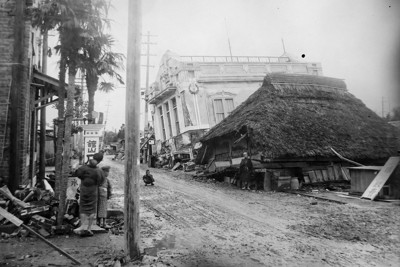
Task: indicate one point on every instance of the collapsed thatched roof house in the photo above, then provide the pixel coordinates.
(297, 119)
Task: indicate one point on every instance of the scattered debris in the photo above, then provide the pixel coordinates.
(14, 220)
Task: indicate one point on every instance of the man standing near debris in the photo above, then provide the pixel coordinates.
(245, 171)
(148, 178)
(91, 177)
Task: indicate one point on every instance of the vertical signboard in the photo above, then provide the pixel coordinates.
(73, 185)
(92, 134)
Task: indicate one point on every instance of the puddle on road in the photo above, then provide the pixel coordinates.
(220, 237)
(167, 242)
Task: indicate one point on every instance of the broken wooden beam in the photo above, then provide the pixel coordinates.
(345, 159)
(17, 222)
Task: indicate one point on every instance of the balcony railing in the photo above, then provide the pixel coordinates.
(225, 59)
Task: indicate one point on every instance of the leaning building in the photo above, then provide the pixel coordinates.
(191, 94)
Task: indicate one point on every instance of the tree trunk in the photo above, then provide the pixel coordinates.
(60, 125)
(91, 83)
(67, 143)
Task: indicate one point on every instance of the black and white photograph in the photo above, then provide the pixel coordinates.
(200, 133)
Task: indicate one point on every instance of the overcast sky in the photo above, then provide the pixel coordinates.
(355, 40)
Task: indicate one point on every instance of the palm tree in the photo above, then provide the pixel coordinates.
(100, 60)
(75, 21)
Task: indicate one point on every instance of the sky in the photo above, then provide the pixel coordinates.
(357, 40)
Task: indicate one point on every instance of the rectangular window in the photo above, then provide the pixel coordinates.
(162, 122)
(229, 106)
(168, 119)
(174, 107)
(219, 110)
(222, 108)
(190, 74)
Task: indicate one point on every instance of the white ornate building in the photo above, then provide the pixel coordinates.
(191, 94)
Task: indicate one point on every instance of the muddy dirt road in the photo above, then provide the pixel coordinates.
(194, 223)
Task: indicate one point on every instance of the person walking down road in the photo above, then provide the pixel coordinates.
(148, 178)
(91, 177)
(104, 195)
(245, 171)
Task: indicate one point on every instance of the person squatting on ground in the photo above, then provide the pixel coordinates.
(245, 171)
(104, 195)
(148, 178)
(91, 177)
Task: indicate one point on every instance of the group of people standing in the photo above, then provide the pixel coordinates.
(95, 190)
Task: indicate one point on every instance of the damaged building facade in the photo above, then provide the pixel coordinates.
(191, 94)
(25, 92)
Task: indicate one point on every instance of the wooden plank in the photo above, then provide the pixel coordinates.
(316, 197)
(336, 171)
(14, 220)
(346, 173)
(318, 173)
(306, 179)
(331, 174)
(325, 175)
(204, 154)
(312, 176)
(381, 178)
(268, 181)
(176, 166)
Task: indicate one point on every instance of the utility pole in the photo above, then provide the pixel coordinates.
(105, 122)
(283, 45)
(229, 42)
(108, 107)
(146, 105)
(42, 144)
(382, 107)
(132, 140)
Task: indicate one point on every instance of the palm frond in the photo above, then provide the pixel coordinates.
(106, 87)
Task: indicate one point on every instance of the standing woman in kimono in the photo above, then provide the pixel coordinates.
(91, 177)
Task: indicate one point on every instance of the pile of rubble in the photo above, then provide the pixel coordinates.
(36, 208)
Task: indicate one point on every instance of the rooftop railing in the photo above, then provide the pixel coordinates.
(227, 59)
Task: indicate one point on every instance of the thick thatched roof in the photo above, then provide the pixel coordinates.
(304, 116)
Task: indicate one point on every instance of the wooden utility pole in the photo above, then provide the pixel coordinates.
(42, 145)
(146, 94)
(132, 139)
(229, 41)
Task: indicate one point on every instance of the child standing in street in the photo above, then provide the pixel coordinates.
(104, 195)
